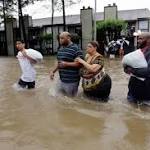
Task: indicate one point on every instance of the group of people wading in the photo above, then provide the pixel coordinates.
(72, 65)
(96, 83)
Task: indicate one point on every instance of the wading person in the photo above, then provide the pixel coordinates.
(95, 82)
(139, 90)
(67, 67)
(27, 79)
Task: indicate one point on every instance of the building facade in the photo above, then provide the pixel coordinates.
(137, 19)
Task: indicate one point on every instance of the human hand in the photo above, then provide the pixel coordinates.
(24, 53)
(62, 64)
(78, 59)
(32, 61)
(128, 69)
(51, 74)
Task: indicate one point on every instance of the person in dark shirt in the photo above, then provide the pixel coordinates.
(67, 67)
(139, 90)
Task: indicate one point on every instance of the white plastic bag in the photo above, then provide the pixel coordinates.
(135, 59)
(34, 54)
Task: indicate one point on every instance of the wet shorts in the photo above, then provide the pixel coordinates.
(28, 85)
(70, 89)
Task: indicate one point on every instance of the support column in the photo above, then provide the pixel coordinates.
(10, 22)
(55, 39)
(111, 12)
(87, 26)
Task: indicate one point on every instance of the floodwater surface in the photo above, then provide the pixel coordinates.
(41, 119)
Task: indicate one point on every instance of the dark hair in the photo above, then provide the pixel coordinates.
(95, 44)
(21, 41)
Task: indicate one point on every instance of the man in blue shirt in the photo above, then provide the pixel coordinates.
(67, 67)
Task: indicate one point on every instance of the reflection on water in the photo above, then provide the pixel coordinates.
(41, 119)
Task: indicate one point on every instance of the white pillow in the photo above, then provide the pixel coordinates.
(135, 59)
(34, 54)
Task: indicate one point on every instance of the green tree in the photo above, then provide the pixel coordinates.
(64, 16)
(52, 25)
(61, 5)
(21, 4)
(6, 8)
(109, 30)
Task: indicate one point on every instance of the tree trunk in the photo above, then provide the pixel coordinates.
(6, 48)
(64, 16)
(21, 23)
(52, 26)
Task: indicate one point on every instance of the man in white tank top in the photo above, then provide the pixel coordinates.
(27, 79)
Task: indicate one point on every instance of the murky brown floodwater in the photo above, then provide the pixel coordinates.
(36, 120)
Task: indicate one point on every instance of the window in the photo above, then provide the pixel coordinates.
(144, 25)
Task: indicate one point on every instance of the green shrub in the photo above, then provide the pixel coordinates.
(46, 37)
(110, 28)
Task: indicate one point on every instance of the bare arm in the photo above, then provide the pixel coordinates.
(65, 64)
(28, 57)
(91, 68)
(140, 72)
(53, 71)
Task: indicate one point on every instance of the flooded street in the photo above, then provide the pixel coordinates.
(38, 120)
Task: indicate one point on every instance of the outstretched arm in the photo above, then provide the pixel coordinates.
(76, 64)
(64, 64)
(90, 67)
(52, 72)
